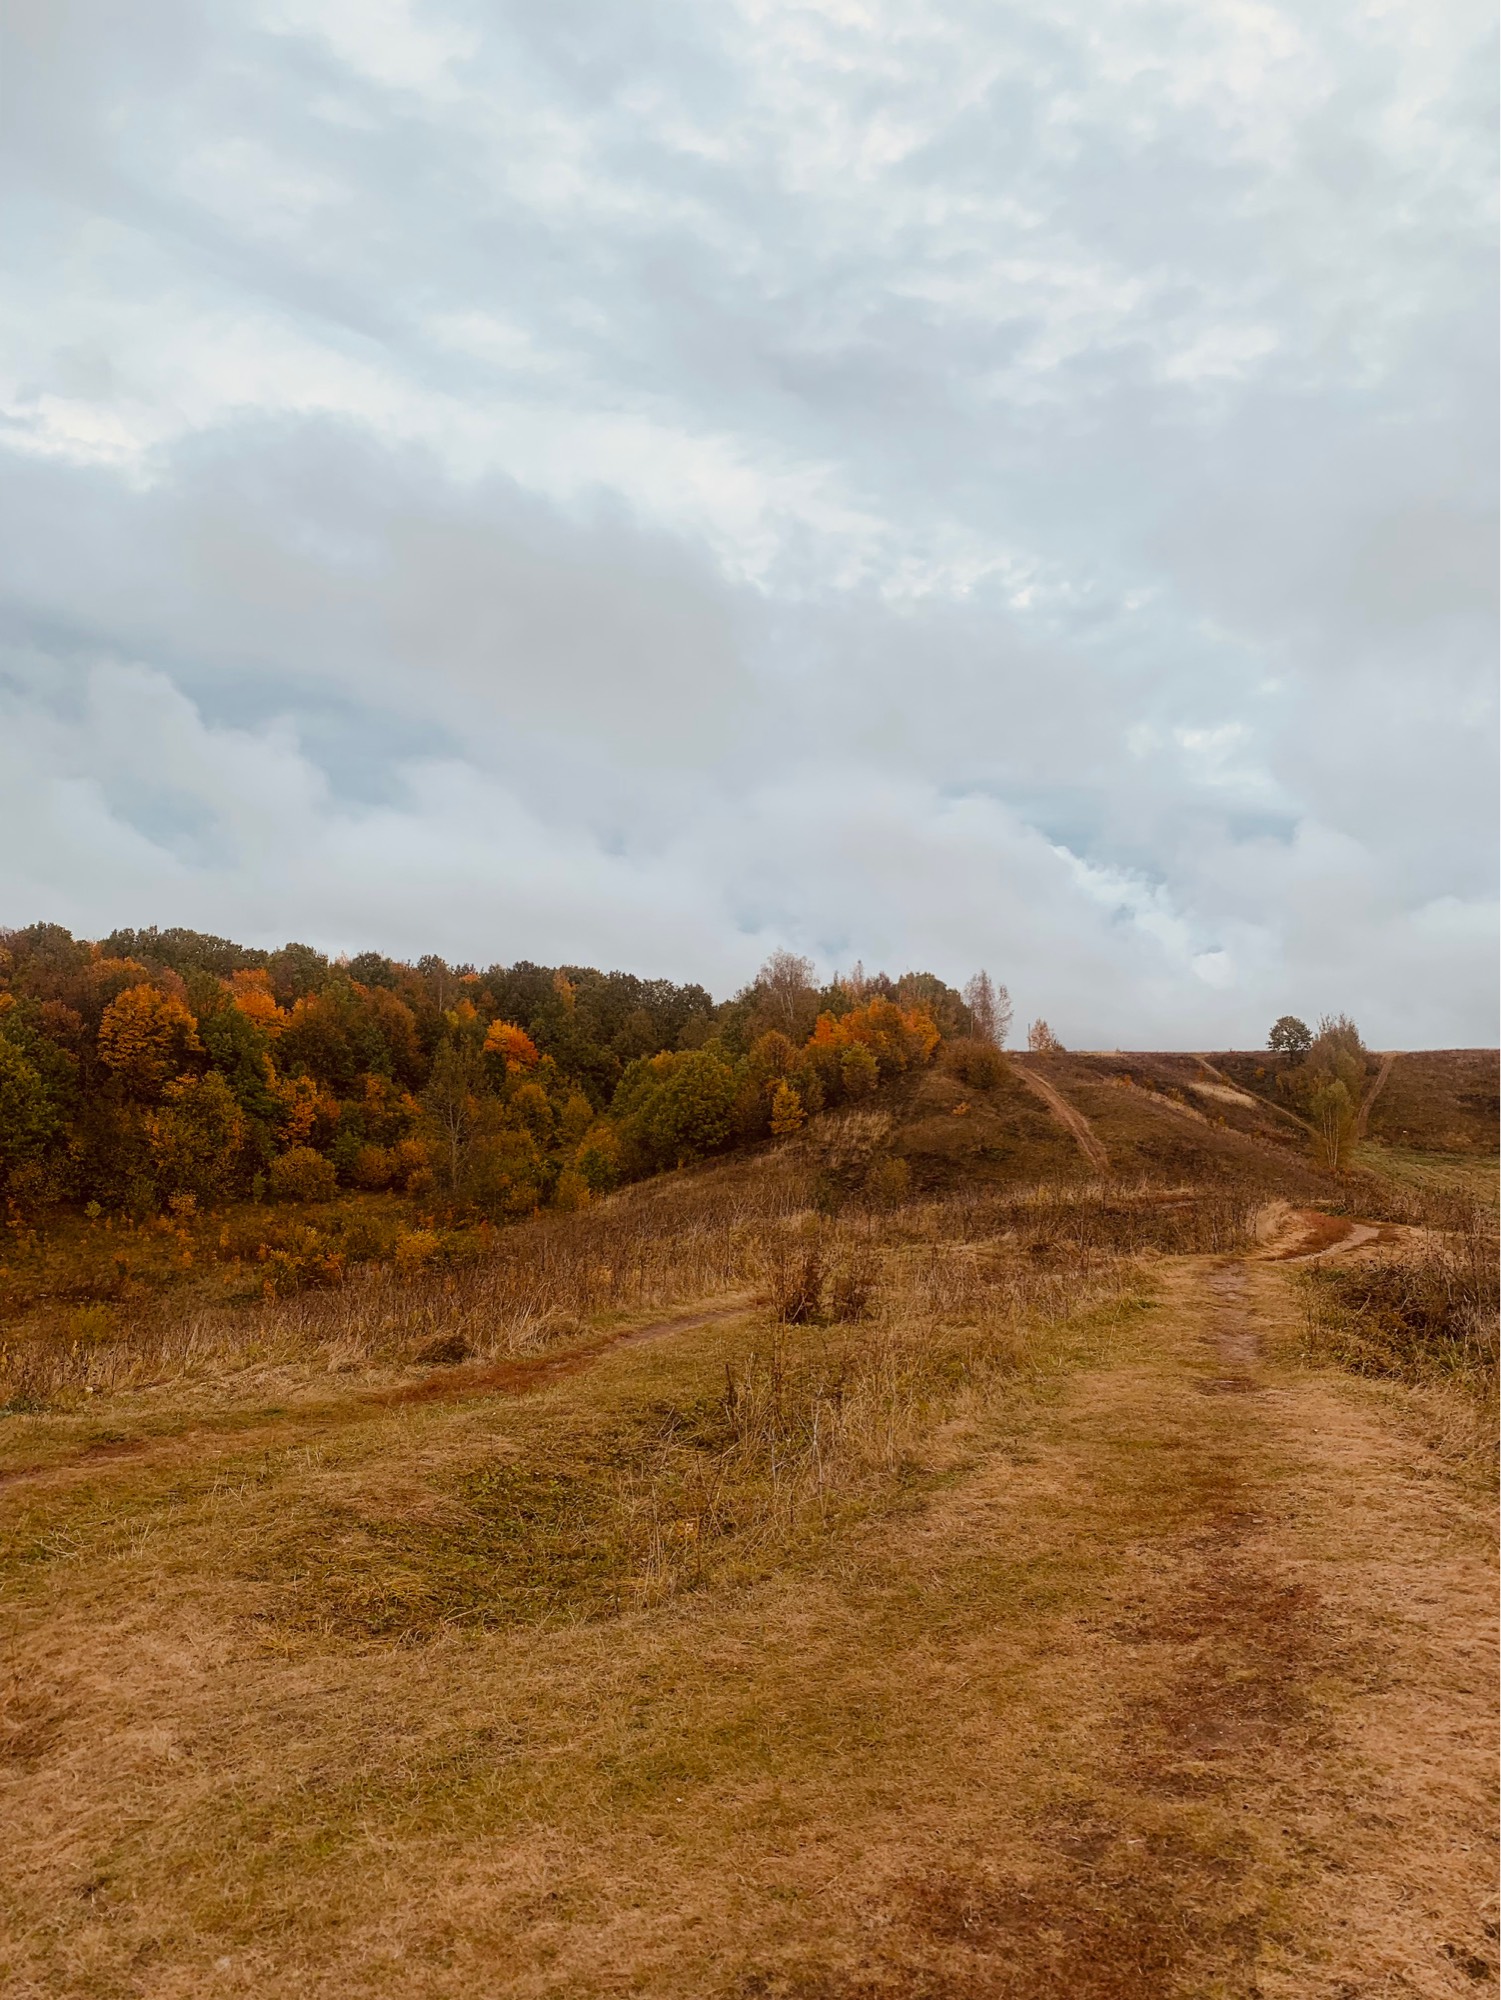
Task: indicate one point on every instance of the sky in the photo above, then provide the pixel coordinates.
(943, 486)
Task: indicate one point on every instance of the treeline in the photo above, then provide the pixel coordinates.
(154, 1066)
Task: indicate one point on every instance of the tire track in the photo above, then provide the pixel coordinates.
(1073, 1121)
(515, 1375)
(1378, 1084)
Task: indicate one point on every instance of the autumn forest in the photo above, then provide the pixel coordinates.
(158, 1070)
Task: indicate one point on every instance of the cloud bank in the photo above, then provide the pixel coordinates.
(644, 486)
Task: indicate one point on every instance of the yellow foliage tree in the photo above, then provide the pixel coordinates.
(787, 1112)
(146, 1038)
(251, 993)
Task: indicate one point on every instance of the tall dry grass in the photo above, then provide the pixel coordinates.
(665, 1243)
(1430, 1311)
(652, 1246)
(889, 1331)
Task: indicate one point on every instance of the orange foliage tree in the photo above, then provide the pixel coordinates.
(146, 1038)
(513, 1046)
(251, 993)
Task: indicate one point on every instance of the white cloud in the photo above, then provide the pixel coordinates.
(930, 485)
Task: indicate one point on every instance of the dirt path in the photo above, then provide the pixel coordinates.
(1300, 1235)
(1068, 1116)
(1261, 1103)
(1378, 1084)
(195, 1444)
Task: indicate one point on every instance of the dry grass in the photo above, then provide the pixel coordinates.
(1424, 1314)
(1428, 1310)
(934, 1637)
(677, 1239)
(668, 1240)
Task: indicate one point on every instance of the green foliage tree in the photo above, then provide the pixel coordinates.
(859, 1072)
(451, 1108)
(676, 1108)
(1329, 1084)
(1332, 1111)
(237, 1048)
(1289, 1036)
(28, 1116)
(197, 1137)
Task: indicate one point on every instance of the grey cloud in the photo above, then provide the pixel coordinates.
(965, 485)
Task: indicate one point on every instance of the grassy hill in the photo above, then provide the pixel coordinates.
(900, 1559)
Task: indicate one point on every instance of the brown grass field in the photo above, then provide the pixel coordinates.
(900, 1564)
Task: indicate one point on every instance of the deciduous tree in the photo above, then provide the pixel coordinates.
(787, 1114)
(147, 1037)
(1289, 1036)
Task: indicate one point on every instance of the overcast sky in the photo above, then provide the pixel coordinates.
(640, 485)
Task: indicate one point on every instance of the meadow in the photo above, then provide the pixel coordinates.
(892, 1560)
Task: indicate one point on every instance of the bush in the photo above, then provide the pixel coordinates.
(416, 1248)
(887, 1181)
(302, 1175)
(852, 1294)
(859, 1072)
(978, 1064)
(374, 1168)
(572, 1191)
(1434, 1312)
(797, 1289)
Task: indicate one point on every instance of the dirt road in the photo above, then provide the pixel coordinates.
(1068, 1116)
(1378, 1084)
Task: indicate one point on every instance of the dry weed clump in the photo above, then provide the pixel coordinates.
(1429, 1314)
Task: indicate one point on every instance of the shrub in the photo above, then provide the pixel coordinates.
(413, 1165)
(853, 1289)
(978, 1064)
(888, 1180)
(787, 1113)
(444, 1350)
(1433, 1312)
(859, 1072)
(363, 1237)
(415, 1248)
(797, 1289)
(374, 1168)
(572, 1190)
(598, 1158)
(302, 1175)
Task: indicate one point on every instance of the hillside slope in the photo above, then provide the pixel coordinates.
(782, 1592)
